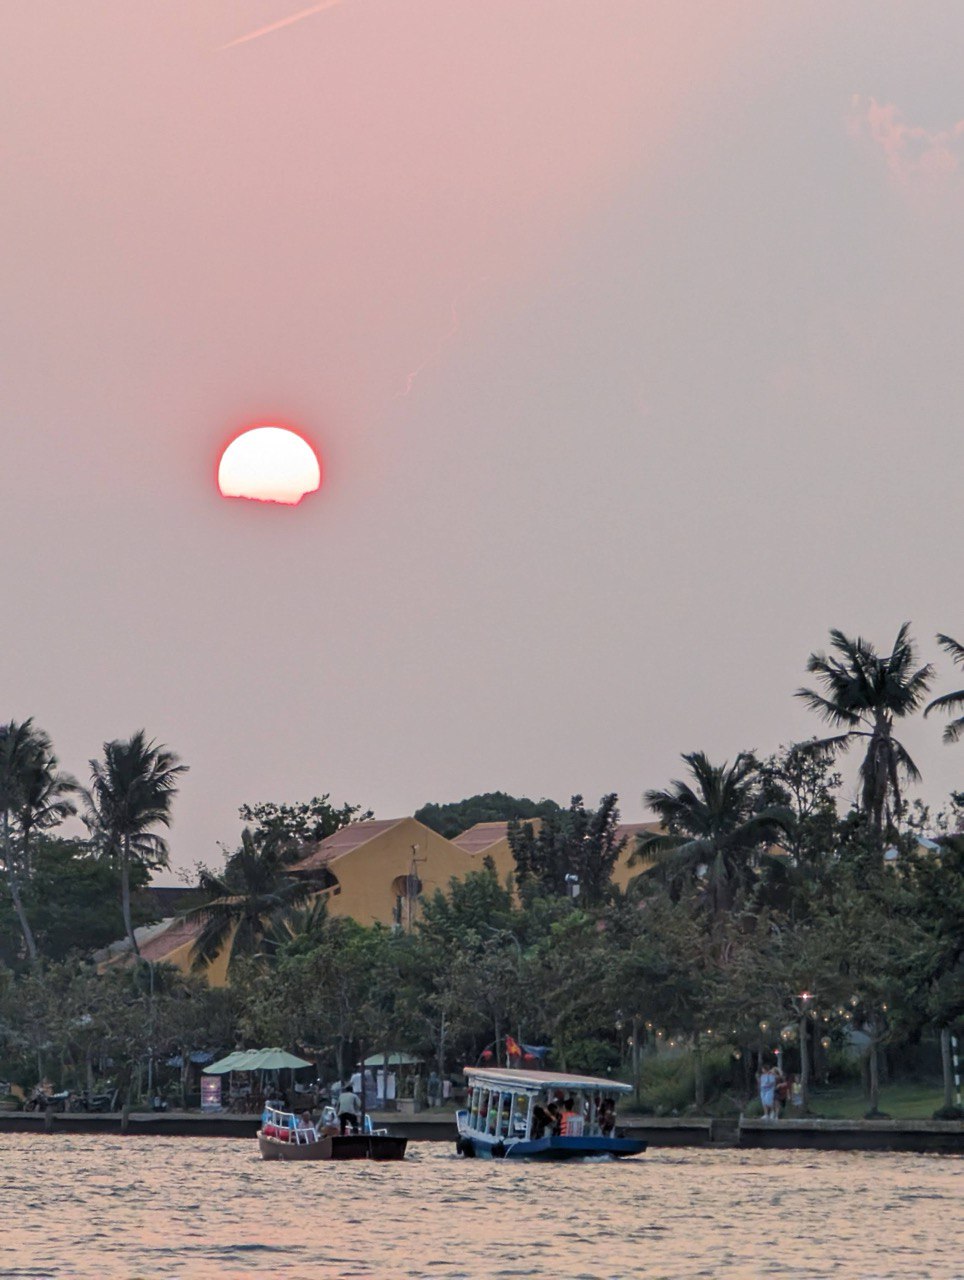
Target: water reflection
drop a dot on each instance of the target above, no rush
(151, 1207)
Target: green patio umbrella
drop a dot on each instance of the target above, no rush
(224, 1065)
(270, 1060)
(394, 1060)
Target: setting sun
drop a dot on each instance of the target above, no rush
(269, 464)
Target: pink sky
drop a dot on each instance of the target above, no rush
(681, 295)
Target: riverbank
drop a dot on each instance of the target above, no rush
(690, 1131)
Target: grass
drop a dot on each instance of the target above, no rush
(912, 1101)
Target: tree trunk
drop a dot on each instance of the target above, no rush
(946, 1067)
(874, 1073)
(441, 1053)
(698, 1085)
(805, 1063)
(126, 895)
(498, 1042)
(25, 929)
(637, 1073)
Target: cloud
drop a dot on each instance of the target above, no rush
(912, 154)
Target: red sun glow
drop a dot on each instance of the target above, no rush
(269, 464)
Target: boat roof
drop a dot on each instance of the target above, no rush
(516, 1078)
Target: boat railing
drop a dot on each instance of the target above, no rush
(299, 1134)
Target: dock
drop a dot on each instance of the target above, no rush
(677, 1131)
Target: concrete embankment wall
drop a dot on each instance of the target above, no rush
(823, 1135)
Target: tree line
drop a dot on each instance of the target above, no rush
(767, 913)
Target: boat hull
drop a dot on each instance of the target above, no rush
(548, 1148)
(368, 1146)
(275, 1149)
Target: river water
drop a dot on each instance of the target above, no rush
(106, 1208)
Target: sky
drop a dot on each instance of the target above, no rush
(628, 333)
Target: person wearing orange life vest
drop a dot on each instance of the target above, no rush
(568, 1114)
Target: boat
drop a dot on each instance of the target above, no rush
(541, 1115)
(282, 1137)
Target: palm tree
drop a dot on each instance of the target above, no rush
(950, 701)
(33, 795)
(715, 834)
(865, 692)
(245, 904)
(132, 789)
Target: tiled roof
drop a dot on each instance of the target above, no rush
(345, 841)
(634, 829)
(160, 946)
(482, 836)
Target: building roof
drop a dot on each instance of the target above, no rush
(160, 946)
(634, 829)
(346, 840)
(481, 837)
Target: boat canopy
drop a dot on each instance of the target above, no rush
(535, 1081)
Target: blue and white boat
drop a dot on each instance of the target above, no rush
(541, 1115)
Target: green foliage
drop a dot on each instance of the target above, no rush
(864, 693)
(246, 907)
(717, 831)
(73, 901)
(131, 792)
(669, 1081)
(575, 849)
(450, 820)
(281, 830)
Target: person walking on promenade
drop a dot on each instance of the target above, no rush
(768, 1091)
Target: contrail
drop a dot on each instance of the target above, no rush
(433, 355)
(285, 22)
(443, 342)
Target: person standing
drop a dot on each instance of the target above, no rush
(349, 1109)
(768, 1087)
(434, 1089)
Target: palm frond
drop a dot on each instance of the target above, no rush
(951, 646)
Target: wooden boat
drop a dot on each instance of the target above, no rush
(282, 1137)
(273, 1148)
(377, 1145)
(506, 1116)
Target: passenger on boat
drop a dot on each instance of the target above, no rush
(568, 1115)
(542, 1119)
(607, 1116)
(349, 1110)
(305, 1121)
(556, 1114)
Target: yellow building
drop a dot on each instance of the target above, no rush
(375, 871)
(491, 840)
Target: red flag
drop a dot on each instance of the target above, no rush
(512, 1048)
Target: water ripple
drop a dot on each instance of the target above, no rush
(111, 1208)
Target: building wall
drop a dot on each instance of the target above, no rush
(369, 876)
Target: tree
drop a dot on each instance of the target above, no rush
(73, 901)
(34, 795)
(716, 832)
(864, 693)
(283, 829)
(450, 820)
(950, 702)
(578, 847)
(245, 902)
(132, 790)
